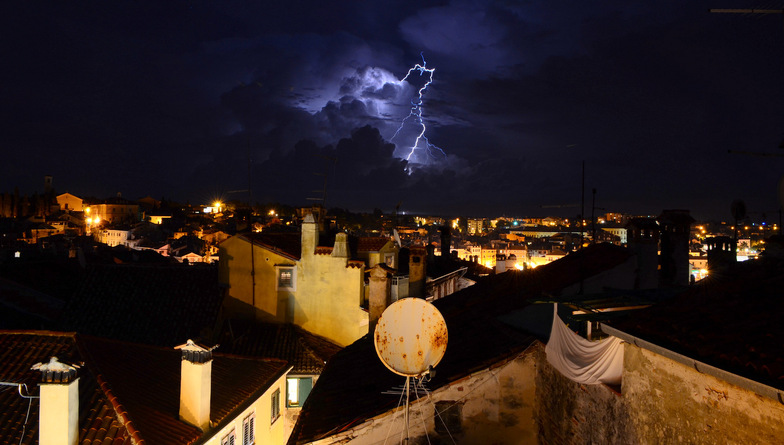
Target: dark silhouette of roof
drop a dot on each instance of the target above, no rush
(127, 392)
(305, 352)
(158, 305)
(731, 320)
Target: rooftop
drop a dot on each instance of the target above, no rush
(128, 393)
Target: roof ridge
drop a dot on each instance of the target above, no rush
(119, 410)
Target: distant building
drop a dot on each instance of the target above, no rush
(70, 203)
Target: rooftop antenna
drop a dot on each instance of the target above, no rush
(410, 340)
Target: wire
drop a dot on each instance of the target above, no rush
(392, 423)
(29, 398)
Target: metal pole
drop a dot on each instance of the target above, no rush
(408, 386)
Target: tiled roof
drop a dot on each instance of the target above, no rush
(306, 352)
(125, 390)
(285, 244)
(730, 320)
(477, 340)
(371, 244)
(158, 305)
(31, 306)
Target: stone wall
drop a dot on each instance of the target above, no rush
(661, 401)
(572, 413)
(672, 403)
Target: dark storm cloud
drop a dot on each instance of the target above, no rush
(173, 98)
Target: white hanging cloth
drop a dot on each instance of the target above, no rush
(582, 360)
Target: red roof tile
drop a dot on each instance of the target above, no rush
(126, 390)
(151, 304)
(371, 244)
(305, 352)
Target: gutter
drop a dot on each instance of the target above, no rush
(701, 367)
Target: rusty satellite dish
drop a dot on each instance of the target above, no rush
(411, 337)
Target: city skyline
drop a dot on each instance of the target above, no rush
(195, 101)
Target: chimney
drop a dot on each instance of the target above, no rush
(643, 241)
(310, 235)
(417, 274)
(341, 246)
(59, 404)
(378, 293)
(674, 259)
(446, 241)
(195, 384)
(500, 263)
(721, 254)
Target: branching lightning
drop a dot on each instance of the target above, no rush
(416, 111)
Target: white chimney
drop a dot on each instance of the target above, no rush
(310, 235)
(59, 404)
(195, 384)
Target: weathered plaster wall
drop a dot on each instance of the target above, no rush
(496, 407)
(266, 303)
(661, 401)
(328, 297)
(672, 403)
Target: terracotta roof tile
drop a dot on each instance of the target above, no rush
(152, 304)
(126, 390)
(371, 244)
(305, 352)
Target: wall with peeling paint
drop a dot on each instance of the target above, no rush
(660, 401)
(495, 406)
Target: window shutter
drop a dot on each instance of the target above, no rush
(305, 385)
(245, 433)
(252, 431)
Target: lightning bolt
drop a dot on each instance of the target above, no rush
(415, 113)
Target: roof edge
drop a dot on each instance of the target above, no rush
(701, 367)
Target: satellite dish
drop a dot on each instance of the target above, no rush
(411, 337)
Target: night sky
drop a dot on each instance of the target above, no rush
(171, 99)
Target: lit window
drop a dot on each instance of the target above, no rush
(228, 439)
(297, 390)
(248, 432)
(275, 406)
(285, 278)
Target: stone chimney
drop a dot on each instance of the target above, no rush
(722, 254)
(195, 384)
(643, 241)
(417, 272)
(59, 404)
(341, 246)
(446, 241)
(310, 235)
(674, 260)
(378, 293)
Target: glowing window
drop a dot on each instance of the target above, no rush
(297, 390)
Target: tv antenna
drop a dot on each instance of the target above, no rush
(410, 340)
